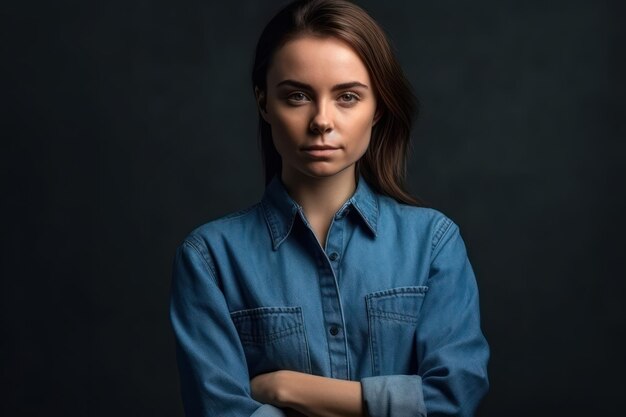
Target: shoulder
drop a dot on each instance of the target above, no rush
(235, 223)
(427, 222)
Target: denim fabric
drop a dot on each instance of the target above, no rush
(390, 301)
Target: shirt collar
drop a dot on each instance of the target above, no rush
(280, 209)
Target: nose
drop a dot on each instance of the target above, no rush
(321, 121)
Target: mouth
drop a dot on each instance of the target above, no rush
(320, 150)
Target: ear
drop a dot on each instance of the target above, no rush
(377, 116)
(261, 101)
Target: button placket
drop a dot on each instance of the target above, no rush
(329, 274)
(334, 244)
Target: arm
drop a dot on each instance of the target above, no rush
(311, 395)
(451, 351)
(212, 365)
(316, 396)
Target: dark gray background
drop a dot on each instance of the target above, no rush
(127, 123)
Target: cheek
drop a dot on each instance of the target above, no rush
(287, 125)
(360, 128)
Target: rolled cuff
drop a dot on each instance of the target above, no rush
(267, 410)
(393, 395)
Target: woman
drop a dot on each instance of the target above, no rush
(336, 294)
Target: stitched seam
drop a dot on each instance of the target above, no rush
(418, 290)
(262, 312)
(376, 211)
(264, 338)
(207, 262)
(306, 343)
(269, 219)
(372, 337)
(440, 232)
(393, 316)
(293, 220)
(372, 228)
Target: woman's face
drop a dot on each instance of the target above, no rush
(321, 106)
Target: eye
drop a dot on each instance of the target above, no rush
(297, 97)
(348, 98)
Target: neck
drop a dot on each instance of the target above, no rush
(320, 197)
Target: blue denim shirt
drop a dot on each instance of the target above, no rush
(390, 301)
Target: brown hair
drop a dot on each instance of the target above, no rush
(384, 163)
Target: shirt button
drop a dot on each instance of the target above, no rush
(334, 330)
(333, 256)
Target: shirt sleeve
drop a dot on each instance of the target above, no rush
(452, 352)
(211, 362)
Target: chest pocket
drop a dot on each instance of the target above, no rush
(273, 338)
(392, 318)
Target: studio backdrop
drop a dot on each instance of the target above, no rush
(125, 124)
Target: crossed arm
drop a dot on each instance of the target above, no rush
(452, 353)
(214, 377)
(309, 395)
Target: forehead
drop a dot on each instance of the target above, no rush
(318, 61)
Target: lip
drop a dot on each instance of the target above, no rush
(320, 150)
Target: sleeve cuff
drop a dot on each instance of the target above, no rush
(393, 395)
(267, 410)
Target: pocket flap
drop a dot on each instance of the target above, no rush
(402, 303)
(264, 324)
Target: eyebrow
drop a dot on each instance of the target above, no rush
(342, 86)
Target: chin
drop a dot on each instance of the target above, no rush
(324, 171)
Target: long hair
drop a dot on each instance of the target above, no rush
(384, 163)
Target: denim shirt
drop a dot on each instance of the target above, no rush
(390, 301)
